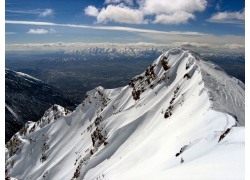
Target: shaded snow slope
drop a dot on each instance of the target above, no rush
(168, 123)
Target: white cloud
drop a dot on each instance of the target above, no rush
(37, 31)
(91, 11)
(172, 12)
(170, 6)
(42, 31)
(175, 18)
(38, 23)
(46, 12)
(121, 14)
(111, 28)
(237, 17)
(129, 2)
(166, 12)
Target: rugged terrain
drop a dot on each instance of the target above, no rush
(182, 118)
(26, 99)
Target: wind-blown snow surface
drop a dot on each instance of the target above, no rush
(170, 122)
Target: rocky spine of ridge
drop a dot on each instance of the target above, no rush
(14, 145)
(220, 97)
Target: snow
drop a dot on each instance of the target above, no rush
(113, 136)
(11, 111)
(30, 78)
(228, 94)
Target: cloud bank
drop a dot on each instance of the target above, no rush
(176, 18)
(164, 12)
(120, 14)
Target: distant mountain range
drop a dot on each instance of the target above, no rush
(233, 64)
(26, 99)
(223, 57)
(128, 53)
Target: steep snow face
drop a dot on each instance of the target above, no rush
(226, 93)
(168, 123)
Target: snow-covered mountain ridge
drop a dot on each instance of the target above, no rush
(182, 118)
(26, 99)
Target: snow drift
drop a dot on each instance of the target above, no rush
(182, 118)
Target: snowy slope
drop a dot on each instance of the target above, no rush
(26, 99)
(183, 118)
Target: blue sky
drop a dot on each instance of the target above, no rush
(54, 24)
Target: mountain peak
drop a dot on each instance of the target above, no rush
(170, 122)
(179, 65)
